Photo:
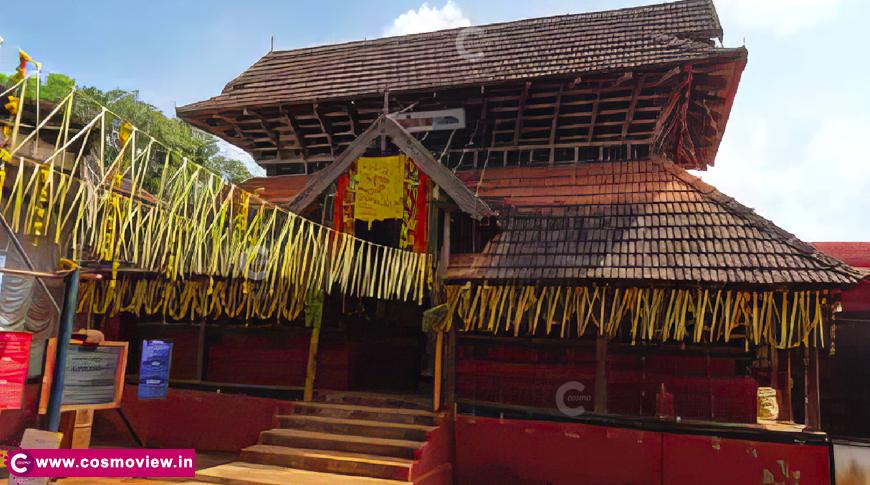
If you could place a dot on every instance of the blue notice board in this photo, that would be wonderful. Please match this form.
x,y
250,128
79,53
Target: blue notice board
x,y
154,371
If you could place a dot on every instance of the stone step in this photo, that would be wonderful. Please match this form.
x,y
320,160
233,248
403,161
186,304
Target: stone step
x,y
239,473
313,440
374,429
328,461
373,400
366,413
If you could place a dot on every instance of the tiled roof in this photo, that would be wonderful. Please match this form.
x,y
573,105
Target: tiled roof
x,y
639,220
854,253
278,190
527,49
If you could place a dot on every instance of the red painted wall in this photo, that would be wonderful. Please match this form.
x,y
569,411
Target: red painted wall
x,y
13,422
197,419
534,452
713,461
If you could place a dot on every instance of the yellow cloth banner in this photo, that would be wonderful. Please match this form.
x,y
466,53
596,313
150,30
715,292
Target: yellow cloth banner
x,y
380,182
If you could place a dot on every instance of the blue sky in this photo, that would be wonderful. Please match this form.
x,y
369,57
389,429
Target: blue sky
x,y
793,149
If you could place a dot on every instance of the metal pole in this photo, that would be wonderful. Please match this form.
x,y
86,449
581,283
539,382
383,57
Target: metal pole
x,y
64,333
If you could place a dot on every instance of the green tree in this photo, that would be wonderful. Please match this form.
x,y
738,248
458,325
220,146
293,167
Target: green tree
x,y
197,146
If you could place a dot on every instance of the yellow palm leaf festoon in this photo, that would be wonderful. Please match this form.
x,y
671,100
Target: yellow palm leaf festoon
x,y
780,318
197,223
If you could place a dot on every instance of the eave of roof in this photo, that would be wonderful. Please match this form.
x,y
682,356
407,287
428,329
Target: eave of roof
x,y
637,222
626,39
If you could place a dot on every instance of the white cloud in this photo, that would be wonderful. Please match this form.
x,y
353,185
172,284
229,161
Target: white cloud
x,y
428,19
819,194
232,151
782,17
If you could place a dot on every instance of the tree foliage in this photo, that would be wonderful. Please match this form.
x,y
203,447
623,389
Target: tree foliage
x,y
199,147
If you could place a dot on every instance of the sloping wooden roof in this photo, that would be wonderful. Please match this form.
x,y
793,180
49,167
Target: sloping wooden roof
x,y
523,50
639,220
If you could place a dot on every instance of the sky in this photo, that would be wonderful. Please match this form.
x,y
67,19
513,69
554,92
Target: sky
x,y
792,148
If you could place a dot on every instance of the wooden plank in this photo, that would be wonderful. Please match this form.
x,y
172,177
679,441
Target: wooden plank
x,y
440,174
320,181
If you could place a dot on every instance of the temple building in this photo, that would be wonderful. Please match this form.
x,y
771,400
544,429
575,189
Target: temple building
x,y
589,296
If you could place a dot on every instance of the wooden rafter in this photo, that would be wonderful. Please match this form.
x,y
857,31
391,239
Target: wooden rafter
x,y
555,123
326,125
594,116
427,164
518,126
274,137
629,116
288,118
233,123
353,116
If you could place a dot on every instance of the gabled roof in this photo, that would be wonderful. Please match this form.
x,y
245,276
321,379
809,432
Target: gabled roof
x,y
412,148
630,221
623,39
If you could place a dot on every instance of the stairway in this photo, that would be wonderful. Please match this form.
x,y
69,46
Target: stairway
x,y
345,439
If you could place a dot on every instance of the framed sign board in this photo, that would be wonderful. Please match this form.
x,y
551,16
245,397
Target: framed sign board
x,y
14,358
94,376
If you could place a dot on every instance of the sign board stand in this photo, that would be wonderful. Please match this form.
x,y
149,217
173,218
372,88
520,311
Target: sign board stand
x,y
94,379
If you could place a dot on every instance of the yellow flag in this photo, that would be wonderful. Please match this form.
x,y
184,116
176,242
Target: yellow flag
x,y
12,105
124,132
379,188
23,59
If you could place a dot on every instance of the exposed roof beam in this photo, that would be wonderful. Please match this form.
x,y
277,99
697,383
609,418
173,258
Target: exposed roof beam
x,y
518,126
594,115
273,136
353,116
440,174
555,122
629,116
294,127
326,126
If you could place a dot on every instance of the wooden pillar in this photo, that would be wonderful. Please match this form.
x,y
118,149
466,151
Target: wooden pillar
x,y
450,368
386,112
200,352
813,408
438,375
449,349
786,413
308,395
601,375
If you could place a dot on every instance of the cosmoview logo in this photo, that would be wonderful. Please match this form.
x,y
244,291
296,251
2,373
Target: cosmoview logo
x,y
571,397
21,463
